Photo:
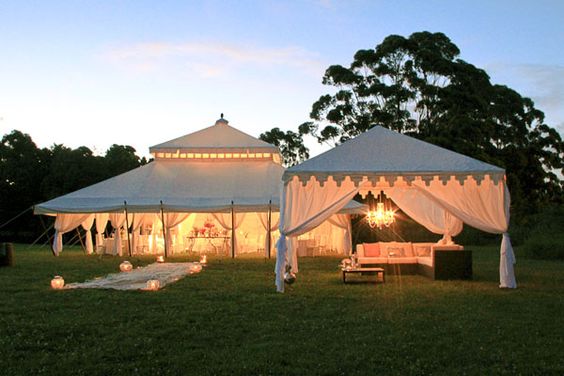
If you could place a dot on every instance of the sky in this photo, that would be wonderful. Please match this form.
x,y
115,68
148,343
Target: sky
x,y
97,73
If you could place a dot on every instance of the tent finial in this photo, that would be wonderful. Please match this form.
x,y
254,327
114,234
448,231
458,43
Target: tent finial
x,y
221,121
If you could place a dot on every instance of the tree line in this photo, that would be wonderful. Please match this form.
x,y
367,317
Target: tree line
x,y
30,175
420,86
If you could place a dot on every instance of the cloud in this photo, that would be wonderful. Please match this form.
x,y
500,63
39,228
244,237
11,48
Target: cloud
x,y
210,59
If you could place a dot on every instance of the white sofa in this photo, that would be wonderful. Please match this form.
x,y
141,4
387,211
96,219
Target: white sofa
x,y
411,258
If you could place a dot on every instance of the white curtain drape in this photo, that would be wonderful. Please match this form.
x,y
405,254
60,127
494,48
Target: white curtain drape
x,y
101,222
171,221
117,220
137,221
485,207
343,221
87,225
274,223
63,224
302,209
225,220
426,211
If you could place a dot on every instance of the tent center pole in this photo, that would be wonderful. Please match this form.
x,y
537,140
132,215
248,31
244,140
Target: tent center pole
x,y
164,231
232,231
127,228
269,232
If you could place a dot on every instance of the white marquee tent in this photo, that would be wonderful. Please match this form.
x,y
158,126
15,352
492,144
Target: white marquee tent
x,y
437,187
216,175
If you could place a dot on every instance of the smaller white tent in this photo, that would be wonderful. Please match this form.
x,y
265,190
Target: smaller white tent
x,y
437,187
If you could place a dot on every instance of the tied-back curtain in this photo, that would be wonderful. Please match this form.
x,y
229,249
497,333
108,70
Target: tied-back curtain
x,y
426,211
87,225
225,220
302,209
274,223
117,220
63,224
171,221
101,222
137,221
484,206
343,221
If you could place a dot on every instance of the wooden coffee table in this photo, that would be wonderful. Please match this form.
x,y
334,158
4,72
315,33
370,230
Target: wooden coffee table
x,y
364,271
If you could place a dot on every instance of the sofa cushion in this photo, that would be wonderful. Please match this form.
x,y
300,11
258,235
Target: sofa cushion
x,y
371,249
402,260
425,261
372,260
422,250
396,249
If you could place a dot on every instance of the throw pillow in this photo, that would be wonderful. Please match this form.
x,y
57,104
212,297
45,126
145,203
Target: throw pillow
x,y
371,249
423,251
396,252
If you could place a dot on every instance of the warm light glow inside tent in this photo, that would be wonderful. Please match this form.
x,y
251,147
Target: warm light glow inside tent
x,y
214,191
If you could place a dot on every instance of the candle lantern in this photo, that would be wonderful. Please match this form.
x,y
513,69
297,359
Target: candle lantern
x,y
204,260
57,282
160,258
125,266
195,268
153,284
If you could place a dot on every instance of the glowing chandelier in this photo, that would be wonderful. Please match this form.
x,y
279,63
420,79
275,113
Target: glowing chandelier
x,y
380,217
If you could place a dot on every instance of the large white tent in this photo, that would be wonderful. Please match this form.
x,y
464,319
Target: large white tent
x,y
218,175
437,187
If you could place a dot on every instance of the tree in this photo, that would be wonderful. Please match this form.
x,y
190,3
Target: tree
x,y
290,144
120,159
419,86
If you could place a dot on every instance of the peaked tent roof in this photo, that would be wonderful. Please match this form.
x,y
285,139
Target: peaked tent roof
x,y
380,151
218,137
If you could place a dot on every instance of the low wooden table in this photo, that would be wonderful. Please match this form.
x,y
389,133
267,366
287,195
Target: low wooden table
x,y
359,270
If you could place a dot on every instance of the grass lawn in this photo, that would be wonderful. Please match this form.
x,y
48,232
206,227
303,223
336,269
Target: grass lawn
x,y
229,320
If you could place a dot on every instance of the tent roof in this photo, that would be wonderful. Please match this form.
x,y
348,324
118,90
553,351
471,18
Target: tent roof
x,y
182,186
380,151
218,137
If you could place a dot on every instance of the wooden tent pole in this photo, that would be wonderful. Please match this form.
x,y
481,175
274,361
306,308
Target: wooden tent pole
x,y
232,231
80,238
127,228
49,237
164,230
269,232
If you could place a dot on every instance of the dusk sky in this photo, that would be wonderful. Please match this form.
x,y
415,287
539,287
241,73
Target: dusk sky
x,y
96,73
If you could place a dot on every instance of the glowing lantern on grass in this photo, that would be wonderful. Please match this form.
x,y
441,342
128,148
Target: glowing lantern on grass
x,y
125,266
160,258
153,284
204,260
195,268
57,282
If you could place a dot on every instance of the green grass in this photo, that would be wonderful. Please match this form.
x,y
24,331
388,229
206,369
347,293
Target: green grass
x,y
229,320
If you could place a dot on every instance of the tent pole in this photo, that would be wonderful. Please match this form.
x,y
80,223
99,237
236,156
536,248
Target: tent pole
x,y
232,231
164,230
269,232
127,228
49,237
81,242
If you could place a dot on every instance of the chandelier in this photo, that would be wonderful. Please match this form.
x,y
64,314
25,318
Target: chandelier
x,y
380,217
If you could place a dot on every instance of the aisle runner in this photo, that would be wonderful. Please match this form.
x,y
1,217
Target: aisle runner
x,y
137,278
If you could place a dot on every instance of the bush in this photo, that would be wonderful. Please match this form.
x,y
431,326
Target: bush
x,y
546,240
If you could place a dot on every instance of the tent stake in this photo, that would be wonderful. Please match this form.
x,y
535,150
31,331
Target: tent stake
x,y
232,231
127,228
269,232
164,230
